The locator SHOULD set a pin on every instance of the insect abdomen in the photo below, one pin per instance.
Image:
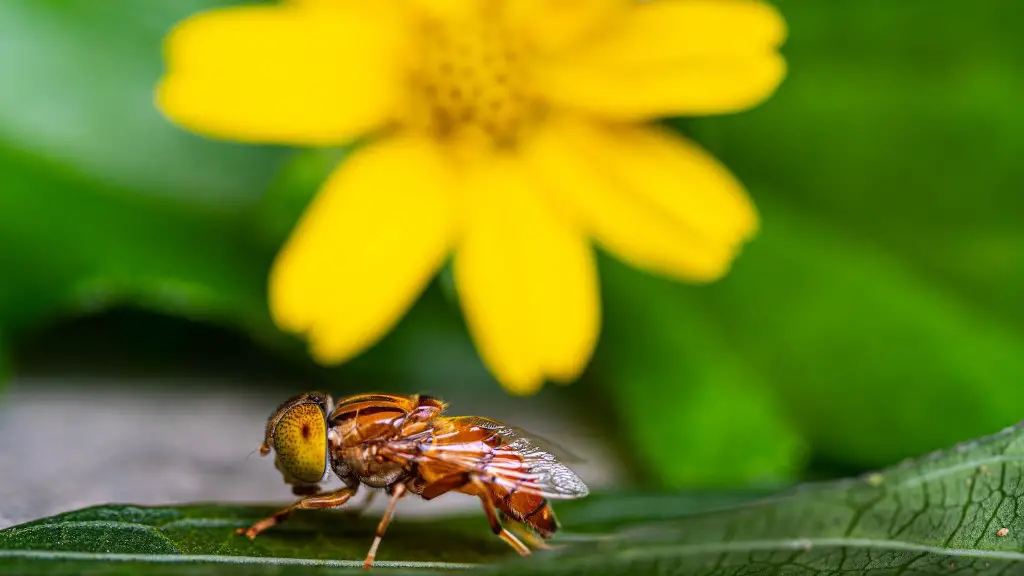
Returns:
(529, 509)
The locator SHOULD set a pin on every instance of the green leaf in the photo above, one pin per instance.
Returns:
(5, 361)
(866, 351)
(104, 201)
(199, 539)
(293, 187)
(191, 535)
(695, 415)
(951, 512)
(78, 246)
(898, 124)
(955, 511)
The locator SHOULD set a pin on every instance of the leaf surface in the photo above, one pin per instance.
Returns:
(951, 512)
(694, 413)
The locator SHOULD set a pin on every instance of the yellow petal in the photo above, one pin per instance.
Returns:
(548, 26)
(367, 245)
(656, 200)
(687, 57)
(296, 73)
(526, 279)
(448, 11)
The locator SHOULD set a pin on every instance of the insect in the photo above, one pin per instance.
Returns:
(404, 444)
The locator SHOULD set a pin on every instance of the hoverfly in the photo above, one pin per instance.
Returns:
(404, 445)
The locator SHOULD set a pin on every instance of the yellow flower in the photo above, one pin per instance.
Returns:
(511, 135)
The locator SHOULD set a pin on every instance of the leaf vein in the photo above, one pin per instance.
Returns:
(214, 559)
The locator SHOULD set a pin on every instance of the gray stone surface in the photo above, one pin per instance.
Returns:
(69, 443)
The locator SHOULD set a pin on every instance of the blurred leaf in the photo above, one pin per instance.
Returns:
(69, 245)
(5, 366)
(693, 412)
(876, 361)
(952, 511)
(83, 98)
(105, 202)
(883, 297)
(900, 124)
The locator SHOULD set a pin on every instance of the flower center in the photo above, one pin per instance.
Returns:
(470, 84)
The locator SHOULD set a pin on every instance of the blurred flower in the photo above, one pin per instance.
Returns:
(509, 133)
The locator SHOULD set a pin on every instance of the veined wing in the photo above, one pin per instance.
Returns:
(512, 433)
(497, 453)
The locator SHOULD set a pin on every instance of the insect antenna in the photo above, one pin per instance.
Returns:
(254, 450)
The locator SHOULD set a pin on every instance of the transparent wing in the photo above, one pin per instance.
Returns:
(546, 474)
(511, 433)
(499, 454)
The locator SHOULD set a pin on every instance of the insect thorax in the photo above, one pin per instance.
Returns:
(361, 464)
(344, 471)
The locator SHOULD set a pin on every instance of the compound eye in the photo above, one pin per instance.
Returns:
(300, 442)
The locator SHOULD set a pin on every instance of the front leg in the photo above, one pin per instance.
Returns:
(314, 502)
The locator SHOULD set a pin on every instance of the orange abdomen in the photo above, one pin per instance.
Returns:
(527, 508)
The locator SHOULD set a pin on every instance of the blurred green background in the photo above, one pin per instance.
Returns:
(878, 315)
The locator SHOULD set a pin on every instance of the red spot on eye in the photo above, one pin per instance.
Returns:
(305, 431)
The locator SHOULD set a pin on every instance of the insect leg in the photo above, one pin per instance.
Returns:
(325, 500)
(531, 538)
(492, 516)
(397, 492)
(521, 531)
(444, 484)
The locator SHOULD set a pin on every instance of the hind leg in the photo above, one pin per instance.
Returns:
(492, 517)
(531, 538)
